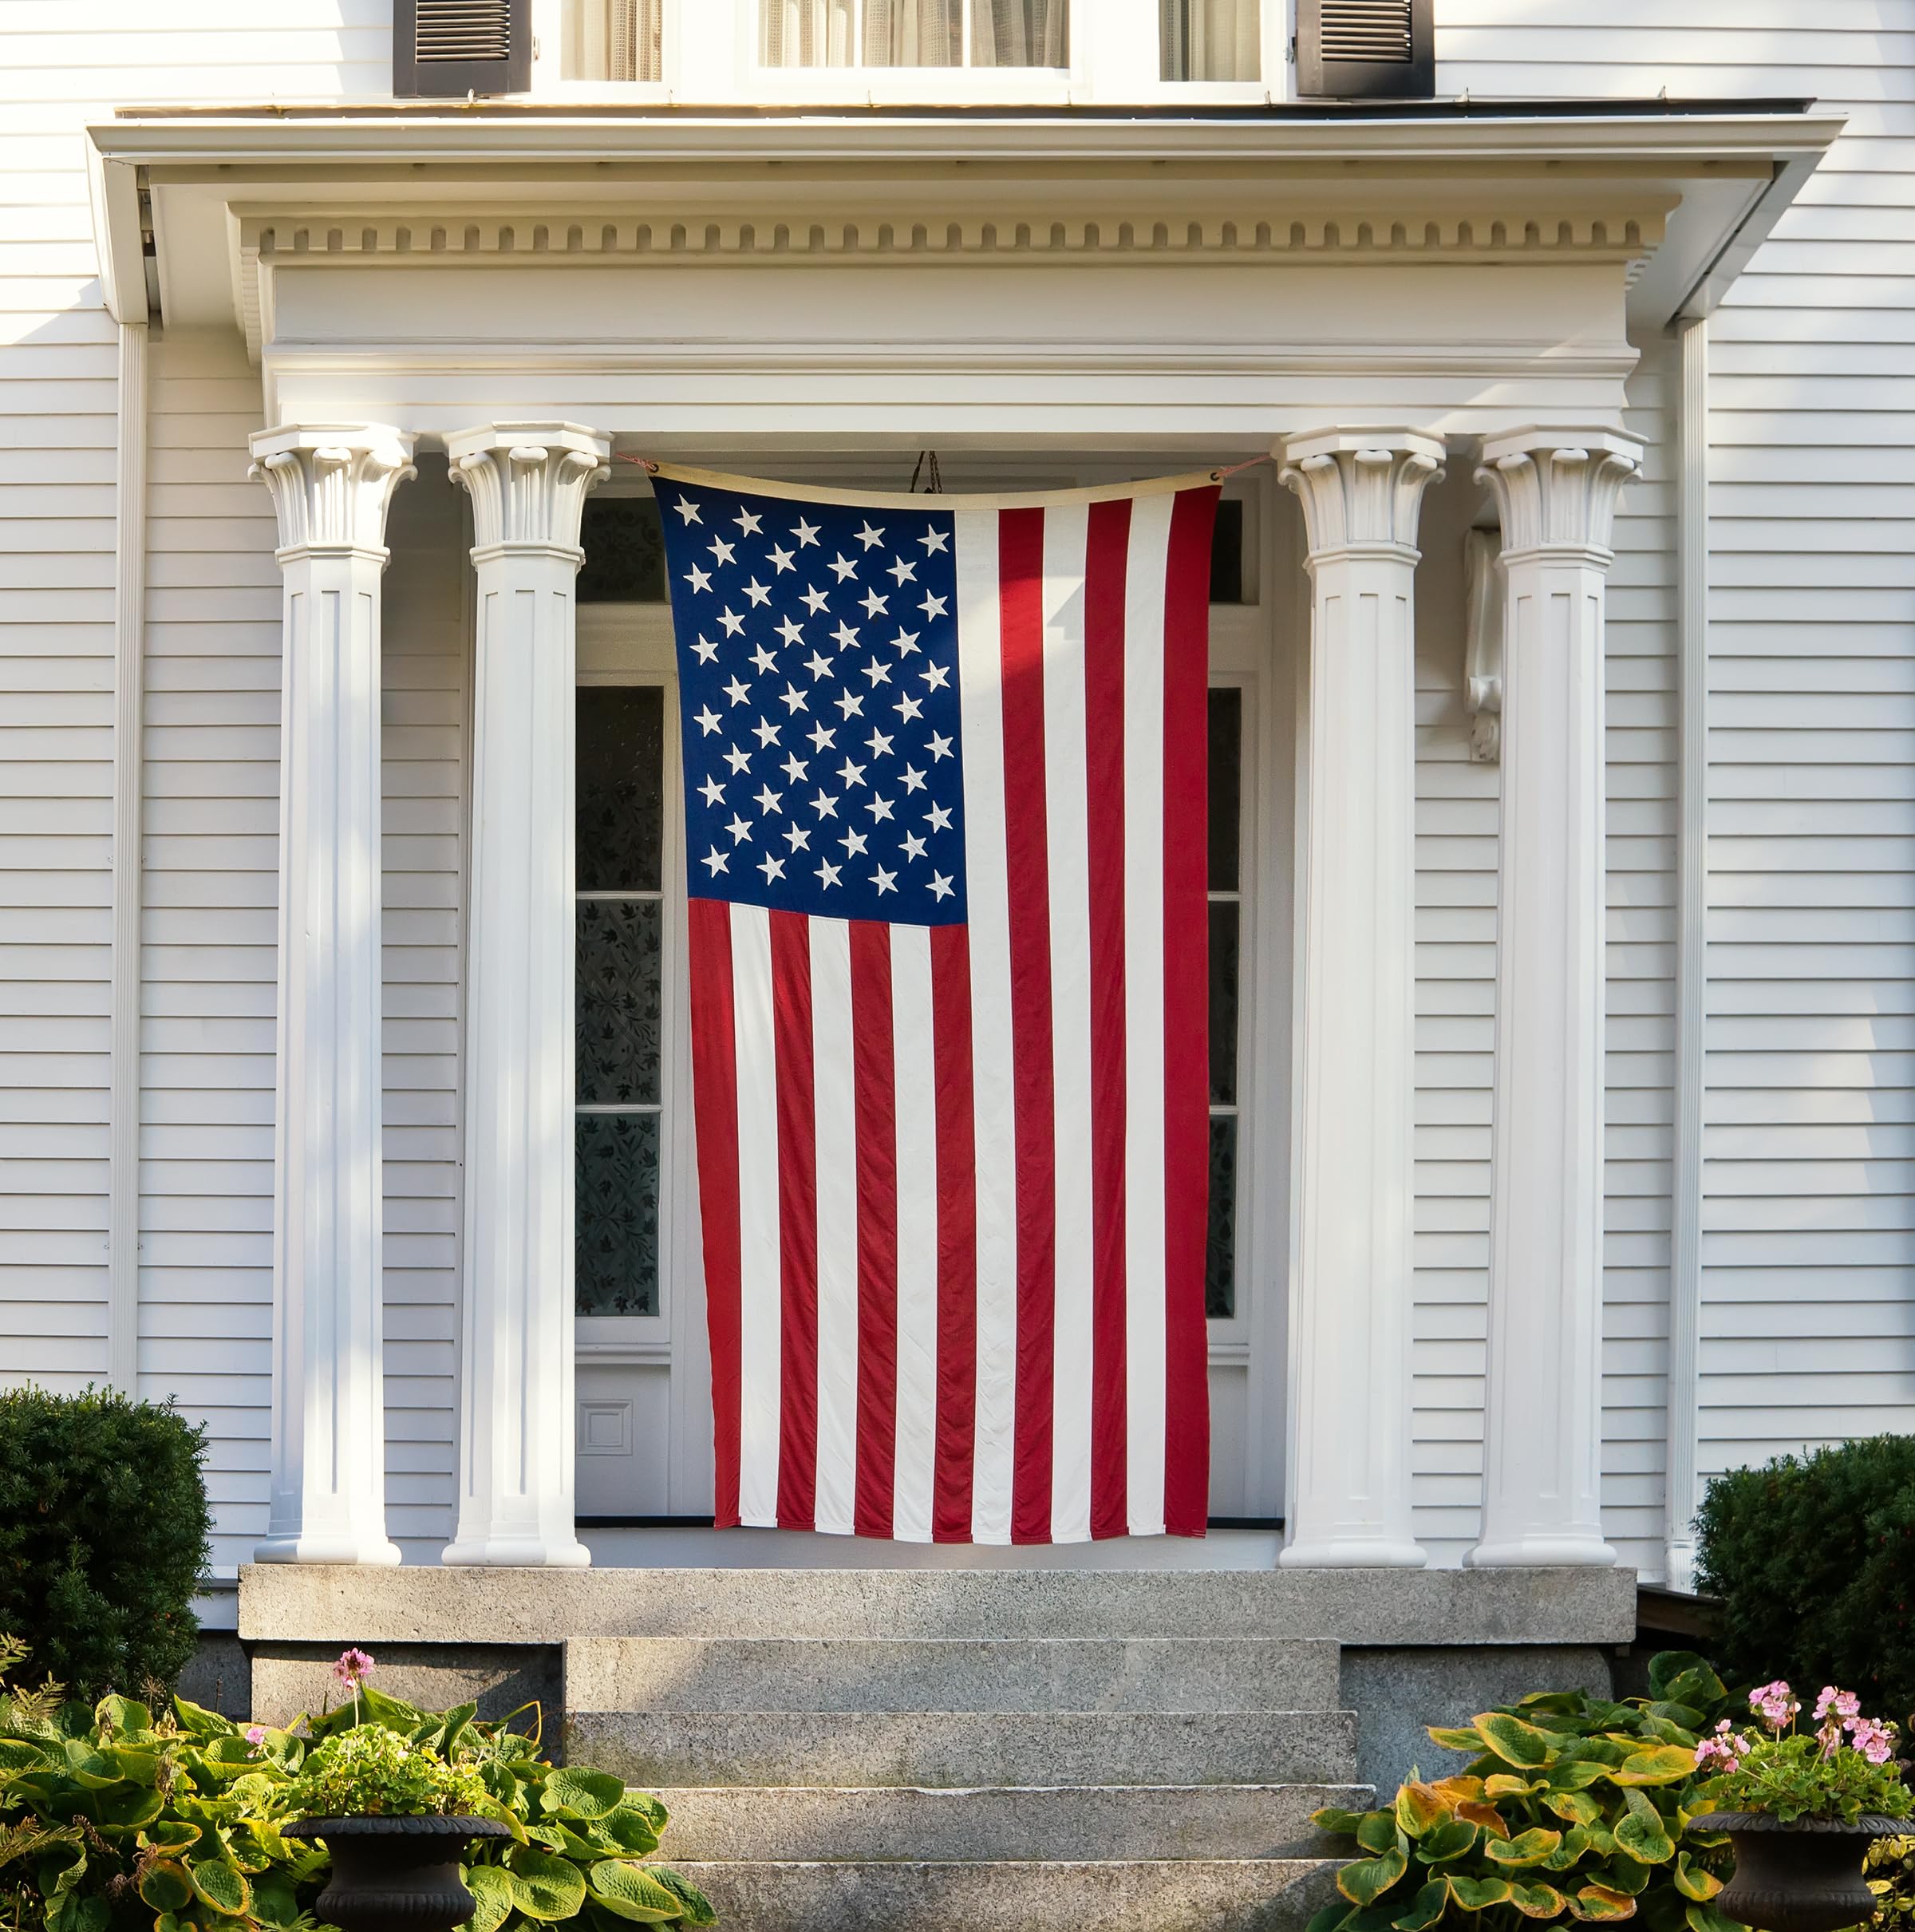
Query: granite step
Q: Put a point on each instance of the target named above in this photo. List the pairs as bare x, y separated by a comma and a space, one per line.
1096, 1822
1010, 1895
966, 1747
1162, 1674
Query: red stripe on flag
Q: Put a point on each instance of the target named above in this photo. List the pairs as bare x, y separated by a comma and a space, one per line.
797, 1221
1027, 855
1186, 1126
715, 1085
1107, 556
957, 1234
874, 1080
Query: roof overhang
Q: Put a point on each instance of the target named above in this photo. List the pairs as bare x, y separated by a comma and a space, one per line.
186, 201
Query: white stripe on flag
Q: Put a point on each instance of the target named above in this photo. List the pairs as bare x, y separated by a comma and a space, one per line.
914, 1088
980, 678
760, 1294
834, 1082
1066, 538
1145, 1352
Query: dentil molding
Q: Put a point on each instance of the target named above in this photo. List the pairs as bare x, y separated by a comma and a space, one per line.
1556, 489
331, 484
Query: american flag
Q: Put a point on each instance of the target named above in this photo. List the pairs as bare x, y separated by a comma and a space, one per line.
945, 803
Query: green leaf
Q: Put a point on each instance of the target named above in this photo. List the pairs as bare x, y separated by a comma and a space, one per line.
1642, 1834
696, 1907
1599, 1903
1454, 1738
1426, 1909
632, 1833
123, 1714
1529, 1847
1506, 1784
1516, 1743
1624, 1874
1376, 1831
633, 1892
1680, 1676
1334, 1818
171, 1835
1365, 1881
1478, 1895
1536, 1901
201, 1722
1330, 1919
1706, 1919
1692, 1882
543, 1887
1665, 1764
579, 1793
1418, 1808
165, 1887
1576, 1806
493, 1889
274, 1902
1454, 1839
223, 1887
1576, 1841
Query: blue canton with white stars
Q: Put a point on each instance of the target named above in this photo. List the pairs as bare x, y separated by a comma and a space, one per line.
818, 696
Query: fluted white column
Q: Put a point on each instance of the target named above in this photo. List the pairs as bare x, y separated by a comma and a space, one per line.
1350, 1332
1556, 489
528, 483
330, 486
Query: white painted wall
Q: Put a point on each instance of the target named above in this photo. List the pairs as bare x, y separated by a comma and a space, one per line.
1809, 1334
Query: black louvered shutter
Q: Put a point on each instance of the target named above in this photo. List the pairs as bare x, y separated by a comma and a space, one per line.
453, 47
1357, 50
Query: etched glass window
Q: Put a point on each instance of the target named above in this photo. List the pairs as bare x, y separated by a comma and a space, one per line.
618, 1049
1226, 912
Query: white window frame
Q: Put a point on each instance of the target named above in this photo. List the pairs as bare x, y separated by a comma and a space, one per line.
709, 56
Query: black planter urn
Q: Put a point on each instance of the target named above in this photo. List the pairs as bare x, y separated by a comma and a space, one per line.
1804, 1877
396, 1874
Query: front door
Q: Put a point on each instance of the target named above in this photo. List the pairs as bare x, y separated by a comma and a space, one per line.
644, 1429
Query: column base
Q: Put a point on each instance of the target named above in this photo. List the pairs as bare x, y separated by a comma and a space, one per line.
516, 1553
1353, 1553
1540, 1552
374, 1552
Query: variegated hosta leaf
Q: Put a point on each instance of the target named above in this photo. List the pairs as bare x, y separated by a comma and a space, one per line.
1536, 1901
544, 1886
1376, 1831
492, 1888
1643, 1835
1599, 1904
1454, 1839
1418, 1808
1426, 1909
1529, 1847
1666, 1764
633, 1892
1692, 1882
1478, 1895
1365, 1881
1453, 1738
1524, 1745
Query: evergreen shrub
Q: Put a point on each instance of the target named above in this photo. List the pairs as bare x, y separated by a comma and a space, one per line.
1813, 1557
103, 1536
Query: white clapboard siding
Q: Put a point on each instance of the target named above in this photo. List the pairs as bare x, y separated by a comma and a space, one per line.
1808, 1234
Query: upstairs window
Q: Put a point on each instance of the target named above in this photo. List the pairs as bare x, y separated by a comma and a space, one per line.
1210, 40
913, 32
614, 40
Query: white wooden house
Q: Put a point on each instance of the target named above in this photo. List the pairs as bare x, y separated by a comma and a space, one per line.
1561, 1117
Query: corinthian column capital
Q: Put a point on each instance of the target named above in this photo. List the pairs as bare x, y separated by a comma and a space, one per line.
331, 483
1556, 487
1361, 489
528, 482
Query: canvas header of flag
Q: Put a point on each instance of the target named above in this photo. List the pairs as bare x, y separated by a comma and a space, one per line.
945, 809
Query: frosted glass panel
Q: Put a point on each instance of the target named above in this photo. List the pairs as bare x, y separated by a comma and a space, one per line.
1019, 32
615, 40
1211, 40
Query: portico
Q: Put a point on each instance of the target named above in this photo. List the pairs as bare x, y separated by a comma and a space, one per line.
1384, 312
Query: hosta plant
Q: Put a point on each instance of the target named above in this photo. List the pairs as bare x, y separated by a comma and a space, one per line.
1571, 1808
172, 1822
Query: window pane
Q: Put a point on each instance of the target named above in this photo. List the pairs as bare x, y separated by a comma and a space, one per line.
1226, 553
1220, 1252
1210, 40
614, 40
1227, 787
616, 1264
621, 787
1020, 34
617, 1008
913, 32
624, 552
1223, 1002
805, 33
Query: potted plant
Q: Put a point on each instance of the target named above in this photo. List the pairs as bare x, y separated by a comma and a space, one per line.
397, 1817
1800, 1807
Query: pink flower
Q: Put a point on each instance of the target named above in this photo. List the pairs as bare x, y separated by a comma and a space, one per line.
1875, 1742
255, 1733
352, 1669
1845, 1704
1724, 1748
1776, 1704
